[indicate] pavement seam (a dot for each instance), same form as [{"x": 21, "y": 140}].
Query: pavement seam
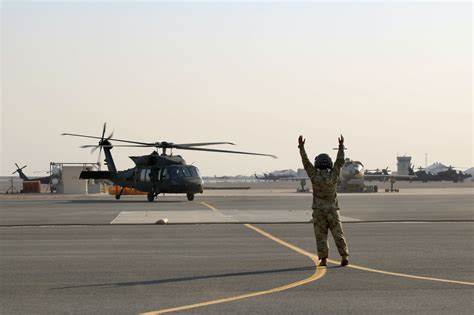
[{"x": 242, "y": 222}]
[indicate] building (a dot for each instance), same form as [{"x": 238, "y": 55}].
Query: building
[{"x": 403, "y": 165}]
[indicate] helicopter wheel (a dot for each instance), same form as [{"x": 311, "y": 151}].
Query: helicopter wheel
[
  {"x": 190, "y": 196},
  {"x": 151, "y": 197}
]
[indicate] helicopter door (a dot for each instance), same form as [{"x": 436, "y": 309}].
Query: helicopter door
[{"x": 155, "y": 175}]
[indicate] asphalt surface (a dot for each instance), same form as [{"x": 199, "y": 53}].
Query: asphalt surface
[{"x": 51, "y": 267}]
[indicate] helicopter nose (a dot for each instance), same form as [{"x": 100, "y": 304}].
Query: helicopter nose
[{"x": 195, "y": 185}]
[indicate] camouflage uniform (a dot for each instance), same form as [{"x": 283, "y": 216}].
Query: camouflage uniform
[{"x": 325, "y": 205}]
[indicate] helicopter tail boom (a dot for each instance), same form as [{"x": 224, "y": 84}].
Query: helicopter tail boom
[{"x": 95, "y": 175}]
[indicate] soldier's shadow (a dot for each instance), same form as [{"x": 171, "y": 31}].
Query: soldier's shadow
[{"x": 192, "y": 278}]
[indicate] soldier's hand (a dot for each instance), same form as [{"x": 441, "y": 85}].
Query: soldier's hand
[
  {"x": 341, "y": 140},
  {"x": 301, "y": 142}
]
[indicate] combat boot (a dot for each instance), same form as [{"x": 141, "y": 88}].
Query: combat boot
[
  {"x": 323, "y": 262},
  {"x": 344, "y": 261}
]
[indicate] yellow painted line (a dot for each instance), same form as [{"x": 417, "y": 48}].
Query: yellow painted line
[
  {"x": 397, "y": 274},
  {"x": 361, "y": 267},
  {"x": 209, "y": 206},
  {"x": 318, "y": 273}
]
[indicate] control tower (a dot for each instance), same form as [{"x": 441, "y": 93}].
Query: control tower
[{"x": 403, "y": 163}]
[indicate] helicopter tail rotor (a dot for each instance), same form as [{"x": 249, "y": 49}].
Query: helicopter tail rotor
[{"x": 103, "y": 142}]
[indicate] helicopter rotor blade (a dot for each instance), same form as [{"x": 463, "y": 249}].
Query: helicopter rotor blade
[
  {"x": 103, "y": 130},
  {"x": 95, "y": 146},
  {"x": 18, "y": 168},
  {"x": 223, "y": 151},
  {"x": 202, "y": 144},
  {"x": 94, "y": 137},
  {"x": 78, "y": 135},
  {"x": 180, "y": 148},
  {"x": 149, "y": 144},
  {"x": 98, "y": 158}
]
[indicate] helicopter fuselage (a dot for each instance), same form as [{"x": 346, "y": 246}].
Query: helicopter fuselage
[{"x": 161, "y": 179}]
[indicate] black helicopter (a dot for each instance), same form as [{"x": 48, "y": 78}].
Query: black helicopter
[
  {"x": 154, "y": 173},
  {"x": 449, "y": 174},
  {"x": 19, "y": 170}
]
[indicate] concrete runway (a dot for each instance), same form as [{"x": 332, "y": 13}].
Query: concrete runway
[{"x": 411, "y": 252}]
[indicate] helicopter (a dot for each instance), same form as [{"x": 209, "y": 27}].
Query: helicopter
[
  {"x": 377, "y": 174},
  {"x": 277, "y": 175},
  {"x": 446, "y": 173},
  {"x": 19, "y": 170},
  {"x": 153, "y": 173}
]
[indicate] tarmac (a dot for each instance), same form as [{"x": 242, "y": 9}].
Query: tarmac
[{"x": 236, "y": 252}]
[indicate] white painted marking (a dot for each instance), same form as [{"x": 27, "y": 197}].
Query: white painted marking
[
  {"x": 150, "y": 217},
  {"x": 221, "y": 216}
]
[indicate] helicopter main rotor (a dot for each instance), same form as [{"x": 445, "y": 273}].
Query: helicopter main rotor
[
  {"x": 163, "y": 145},
  {"x": 18, "y": 168}
]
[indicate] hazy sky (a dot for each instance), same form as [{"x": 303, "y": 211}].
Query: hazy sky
[{"x": 394, "y": 78}]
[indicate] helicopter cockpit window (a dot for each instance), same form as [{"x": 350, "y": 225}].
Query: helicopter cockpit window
[
  {"x": 179, "y": 171},
  {"x": 193, "y": 171},
  {"x": 175, "y": 172},
  {"x": 186, "y": 172}
]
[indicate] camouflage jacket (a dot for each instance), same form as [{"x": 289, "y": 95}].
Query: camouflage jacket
[{"x": 324, "y": 181}]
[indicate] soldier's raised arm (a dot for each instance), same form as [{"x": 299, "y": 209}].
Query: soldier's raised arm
[
  {"x": 309, "y": 168},
  {"x": 340, "y": 158}
]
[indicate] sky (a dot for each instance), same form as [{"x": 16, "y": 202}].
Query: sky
[{"x": 395, "y": 78}]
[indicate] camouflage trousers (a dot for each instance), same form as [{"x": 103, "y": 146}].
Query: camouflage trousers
[{"x": 324, "y": 220}]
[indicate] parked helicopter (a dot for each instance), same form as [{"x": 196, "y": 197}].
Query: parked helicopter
[
  {"x": 448, "y": 174},
  {"x": 154, "y": 173},
  {"x": 19, "y": 170},
  {"x": 277, "y": 175},
  {"x": 377, "y": 174}
]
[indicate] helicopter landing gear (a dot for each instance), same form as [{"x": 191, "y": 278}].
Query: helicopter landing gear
[
  {"x": 190, "y": 196},
  {"x": 117, "y": 196},
  {"x": 151, "y": 197}
]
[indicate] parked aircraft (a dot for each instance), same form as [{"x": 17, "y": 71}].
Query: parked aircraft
[
  {"x": 19, "y": 170},
  {"x": 278, "y": 175}
]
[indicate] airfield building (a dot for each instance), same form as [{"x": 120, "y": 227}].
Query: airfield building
[{"x": 403, "y": 164}]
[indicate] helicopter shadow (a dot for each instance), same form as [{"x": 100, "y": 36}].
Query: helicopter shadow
[
  {"x": 186, "y": 279},
  {"x": 101, "y": 201}
]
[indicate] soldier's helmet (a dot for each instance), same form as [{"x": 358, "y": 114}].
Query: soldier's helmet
[{"x": 323, "y": 162}]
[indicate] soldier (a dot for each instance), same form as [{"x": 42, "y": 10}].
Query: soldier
[{"x": 325, "y": 205}]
